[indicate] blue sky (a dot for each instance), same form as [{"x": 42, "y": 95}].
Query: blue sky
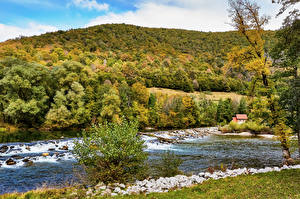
[{"x": 33, "y": 17}]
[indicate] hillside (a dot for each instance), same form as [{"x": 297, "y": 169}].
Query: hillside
[
  {"x": 168, "y": 58},
  {"x": 81, "y": 77}
]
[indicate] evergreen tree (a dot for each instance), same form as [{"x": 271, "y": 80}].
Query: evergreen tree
[{"x": 242, "y": 108}]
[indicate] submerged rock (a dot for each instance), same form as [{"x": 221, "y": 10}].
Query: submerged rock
[
  {"x": 10, "y": 162},
  {"x": 16, "y": 157},
  {"x": 29, "y": 163}
]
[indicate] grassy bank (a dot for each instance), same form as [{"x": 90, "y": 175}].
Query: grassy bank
[{"x": 284, "y": 184}]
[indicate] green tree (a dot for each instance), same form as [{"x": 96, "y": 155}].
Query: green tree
[
  {"x": 112, "y": 153},
  {"x": 225, "y": 111},
  {"x": 242, "y": 108},
  {"x": 68, "y": 108},
  {"x": 111, "y": 102},
  {"x": 208, "y": 112},
  {"x": 25, "y": 90}
]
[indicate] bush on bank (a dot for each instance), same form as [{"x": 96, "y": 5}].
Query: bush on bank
[{"x": 112, "y": 153}]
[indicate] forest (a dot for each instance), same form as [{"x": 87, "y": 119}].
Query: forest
[{"x": 81, "y": 77}]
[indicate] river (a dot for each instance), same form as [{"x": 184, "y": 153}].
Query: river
[{"x": 60, "y": 168}]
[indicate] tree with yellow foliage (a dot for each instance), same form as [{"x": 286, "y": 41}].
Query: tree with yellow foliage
[
  {"x": 253, "y": 58},
  {"x": 247, "y": 20}
]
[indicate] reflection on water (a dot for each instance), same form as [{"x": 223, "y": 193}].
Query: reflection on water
[
  {"x": 197, "y": 155},
  {"x": 28, "y": 136}
]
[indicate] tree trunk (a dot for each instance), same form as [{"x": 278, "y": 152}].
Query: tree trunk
[
  {"x": 286, "y": 153},
  {"x": 265, "y": 80},
  {"x": 297, "y": 104},
  {"x": 298, "y": 134}
]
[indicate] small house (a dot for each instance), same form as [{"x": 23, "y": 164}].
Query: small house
[{"x": 240, "y": 118}]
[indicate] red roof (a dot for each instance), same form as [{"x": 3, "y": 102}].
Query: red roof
[{"x": 241, "y": 116}]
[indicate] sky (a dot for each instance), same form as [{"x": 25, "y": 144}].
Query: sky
[{"x": 34, "y": 17}]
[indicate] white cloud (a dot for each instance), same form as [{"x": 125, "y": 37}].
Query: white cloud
[
  {"x": 153, "y": 14},
  {"x": 199, "y": 15},
  {"x": 91, "y": 4},
  {"x": 10, "y": 32}
]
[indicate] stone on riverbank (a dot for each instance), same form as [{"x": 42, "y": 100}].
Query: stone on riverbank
[{"x": 164, "y": 184}]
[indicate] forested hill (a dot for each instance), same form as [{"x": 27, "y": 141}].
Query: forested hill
[
  {"x": 99, "y": 74},
  {"x": 170, "y": 58}
]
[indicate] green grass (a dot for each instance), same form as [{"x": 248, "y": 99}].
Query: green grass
[{"x": 284, "y": 184}]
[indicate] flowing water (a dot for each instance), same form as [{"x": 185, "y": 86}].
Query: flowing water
[{"x": 57, "y": 169}]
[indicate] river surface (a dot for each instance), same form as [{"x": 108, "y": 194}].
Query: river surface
[{"x": 60, "y": 168}]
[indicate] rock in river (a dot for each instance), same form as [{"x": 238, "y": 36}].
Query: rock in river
[
  {"x": 45, "y": 154},
  {"x": 64, "y": 148},
  {"x": 3, "y": 149},
  {"x": 10, "y": 162},
  {"x": 26, "y": 160}
]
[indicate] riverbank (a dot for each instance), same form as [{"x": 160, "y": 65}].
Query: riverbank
[{"x": 283, "y": 184}]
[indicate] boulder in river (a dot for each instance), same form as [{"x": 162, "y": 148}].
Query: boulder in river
[
  {"x": 51, "y": 149},
  {"x": 10, "y": 162},
  {"x": 28, "y": 148},
  {"x": 64, "y": 148},
  {"x": 3, "y": 149},
  {"x": 45, "y": 154},
  {"x": 26, "y": 160}
]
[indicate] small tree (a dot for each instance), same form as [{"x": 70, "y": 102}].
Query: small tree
[{"x": 112, "y": 153}]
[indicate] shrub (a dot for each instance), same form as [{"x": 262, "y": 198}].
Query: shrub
[
  {"x": 234, "y": 126},
  {"x": 112, "y": 153},
  {"x": 226, "y": 129},
  {"x": 254, "y": 127},
  {"x": 168, "y": 165},
  {"x": 248, "y": 126}
]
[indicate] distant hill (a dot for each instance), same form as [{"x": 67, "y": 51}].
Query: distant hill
[{"x": 159, "y": 57}]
